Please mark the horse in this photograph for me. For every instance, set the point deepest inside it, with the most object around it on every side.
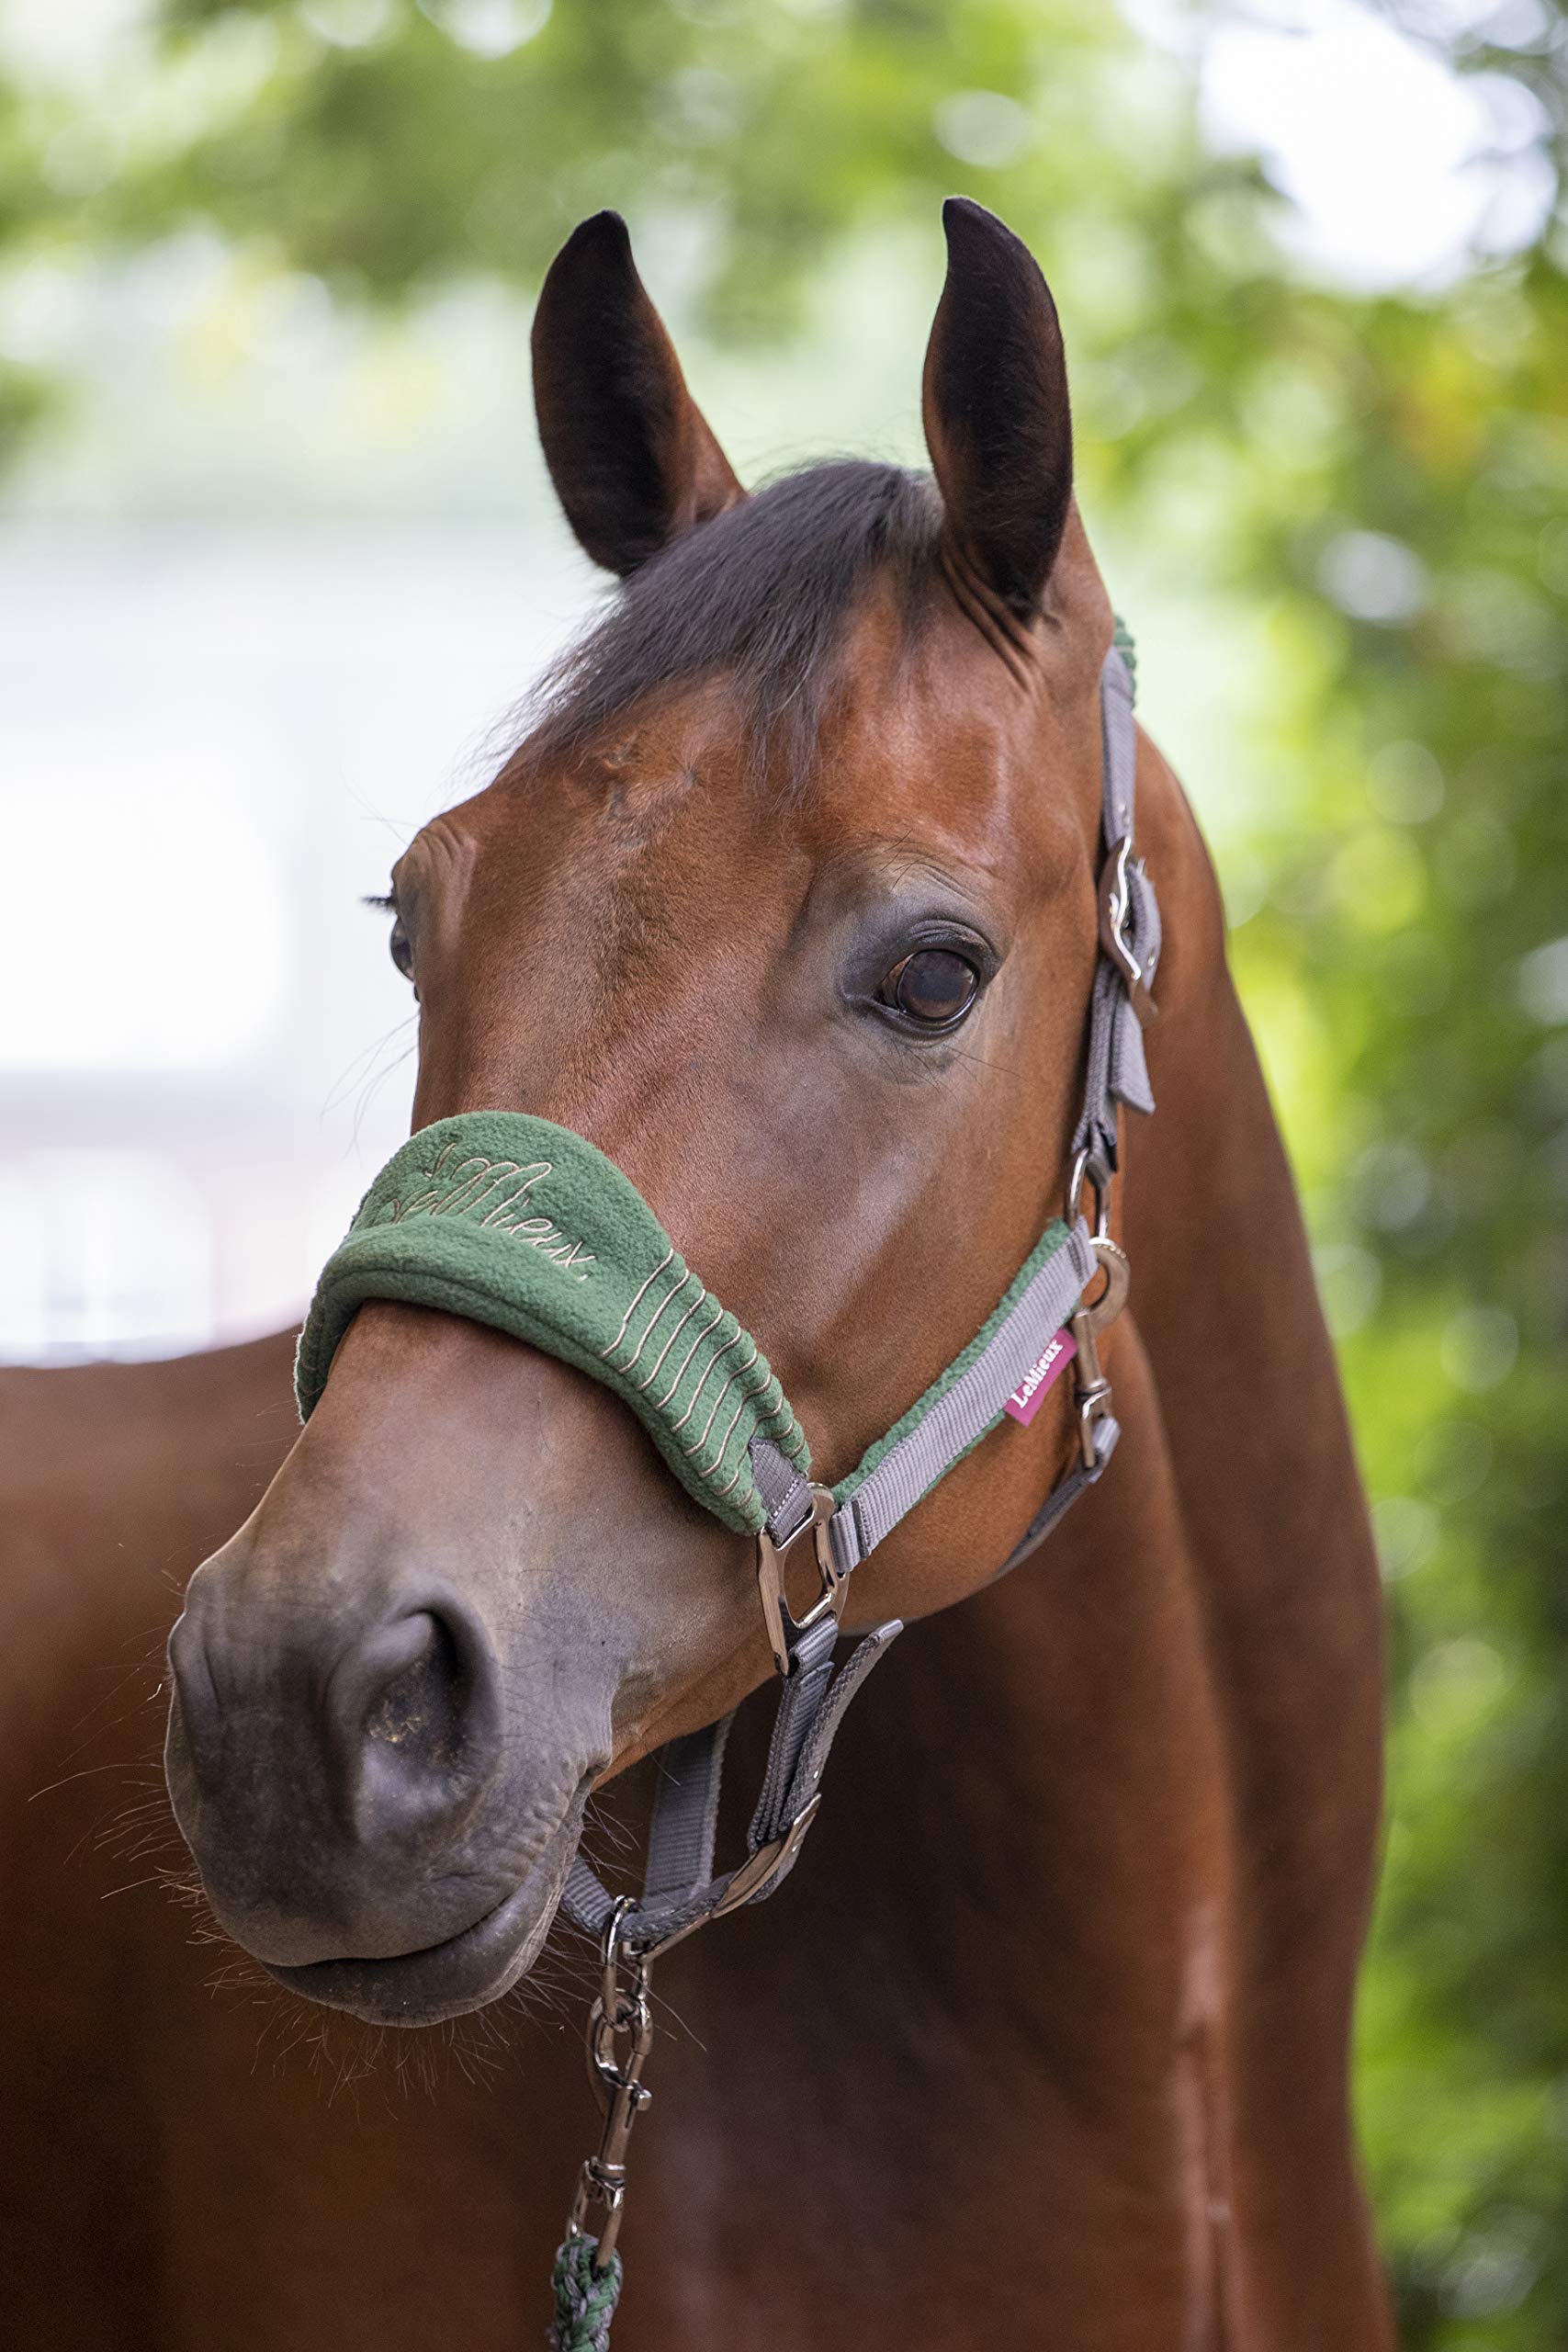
(788, 901)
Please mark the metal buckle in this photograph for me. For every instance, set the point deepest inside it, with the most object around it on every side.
(767, 1861)
(745, 1884)
(1115, 913)
(783, 1627)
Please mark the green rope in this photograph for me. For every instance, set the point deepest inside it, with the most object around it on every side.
(585, 2298)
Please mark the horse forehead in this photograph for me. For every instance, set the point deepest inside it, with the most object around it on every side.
(670, 814)
(623, 854)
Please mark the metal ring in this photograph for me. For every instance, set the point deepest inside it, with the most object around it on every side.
(1112, 1262)
(1089, 1168)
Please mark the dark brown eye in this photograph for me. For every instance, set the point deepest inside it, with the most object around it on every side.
(935, 987)
(399, 950)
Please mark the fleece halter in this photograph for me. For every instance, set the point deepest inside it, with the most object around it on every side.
(512, 1221)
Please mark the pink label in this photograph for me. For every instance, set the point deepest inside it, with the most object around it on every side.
(1030, 1393)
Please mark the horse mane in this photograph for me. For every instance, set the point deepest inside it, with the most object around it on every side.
(761, 594)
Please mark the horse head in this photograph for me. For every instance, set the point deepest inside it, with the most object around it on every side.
(787, 902)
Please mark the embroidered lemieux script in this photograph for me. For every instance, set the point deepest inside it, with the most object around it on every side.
(504, 1189)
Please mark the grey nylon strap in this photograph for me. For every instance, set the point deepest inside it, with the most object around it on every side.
(786, 1493)
(1062, 1496)
(1117, 1068)
(684, 1822)
(680, 1889)
(1118, 746)
(941, 1437)
(971, 1406)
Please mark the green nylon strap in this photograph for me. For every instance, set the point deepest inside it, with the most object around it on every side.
(516, 1222)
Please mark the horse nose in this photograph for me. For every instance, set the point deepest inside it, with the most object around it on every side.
(395, 1731)
(411, 1724)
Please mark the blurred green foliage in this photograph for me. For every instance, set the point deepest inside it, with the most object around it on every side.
(1375, 487)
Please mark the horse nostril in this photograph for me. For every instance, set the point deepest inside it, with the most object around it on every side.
(413, 1714)
(421, 1709)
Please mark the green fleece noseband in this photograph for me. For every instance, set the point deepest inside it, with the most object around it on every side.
(512, 1221)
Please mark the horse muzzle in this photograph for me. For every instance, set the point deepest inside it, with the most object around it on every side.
(346, 1792)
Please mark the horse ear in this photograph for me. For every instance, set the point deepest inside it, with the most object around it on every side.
(629, 451)
(995, 402)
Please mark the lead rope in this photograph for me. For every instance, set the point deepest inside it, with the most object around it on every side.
(588, 2273)
(585, 2297)
(681, 1891)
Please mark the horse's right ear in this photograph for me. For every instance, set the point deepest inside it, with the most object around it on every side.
(629, 451)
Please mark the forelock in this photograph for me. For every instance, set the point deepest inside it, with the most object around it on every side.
(761, 596)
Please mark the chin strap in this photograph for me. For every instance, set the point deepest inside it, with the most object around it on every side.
(843, 1525)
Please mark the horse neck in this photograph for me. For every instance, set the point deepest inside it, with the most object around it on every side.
(1251, 1409)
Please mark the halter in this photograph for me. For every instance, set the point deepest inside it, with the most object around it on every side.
(514, 1221)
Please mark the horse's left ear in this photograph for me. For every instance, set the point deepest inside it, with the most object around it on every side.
(629, 451)
(995, 402)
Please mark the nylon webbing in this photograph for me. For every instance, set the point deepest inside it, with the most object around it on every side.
(1064, 1495)
(940, 1434)
(812, 1704)
(1117, 1070)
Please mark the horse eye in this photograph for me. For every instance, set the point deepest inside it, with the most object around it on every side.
(935, 987)
(399, 950)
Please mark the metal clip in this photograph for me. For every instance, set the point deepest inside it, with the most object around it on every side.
(1115, 914)
(783, 1625)
(620, 2009)
(1092, 1387)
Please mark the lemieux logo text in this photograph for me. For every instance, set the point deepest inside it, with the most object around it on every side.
(504, 1189)
(1031, 1390)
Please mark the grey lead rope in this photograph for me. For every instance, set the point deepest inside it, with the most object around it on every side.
(681, 1890)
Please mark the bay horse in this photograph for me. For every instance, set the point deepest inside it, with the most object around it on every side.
(787, 902)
